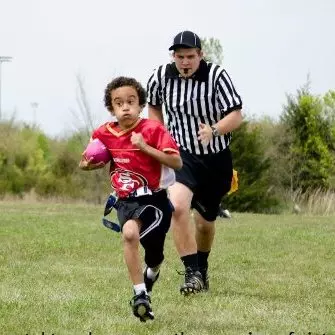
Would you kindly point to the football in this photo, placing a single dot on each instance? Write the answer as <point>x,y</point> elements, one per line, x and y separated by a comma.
<point>98,151</point>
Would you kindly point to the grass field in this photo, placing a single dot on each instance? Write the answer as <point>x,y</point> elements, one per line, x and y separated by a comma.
<point>62,272</point>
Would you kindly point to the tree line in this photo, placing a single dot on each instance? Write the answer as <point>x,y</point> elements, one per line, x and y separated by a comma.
<point>279,162</point>
<point>275,160</point>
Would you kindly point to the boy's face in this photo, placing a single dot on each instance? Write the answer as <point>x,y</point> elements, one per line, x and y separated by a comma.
<point>187,61</point>
<point>126,106</point>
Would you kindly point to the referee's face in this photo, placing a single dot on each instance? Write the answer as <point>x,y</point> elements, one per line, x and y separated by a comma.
<point>187,61</point>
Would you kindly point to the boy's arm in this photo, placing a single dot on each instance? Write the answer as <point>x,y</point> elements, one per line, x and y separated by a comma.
<point>87,165</point>
<point>171,160</point>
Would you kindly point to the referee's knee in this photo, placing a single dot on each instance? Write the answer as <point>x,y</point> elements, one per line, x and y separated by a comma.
<point>204,227</point>
<point>180,209</point>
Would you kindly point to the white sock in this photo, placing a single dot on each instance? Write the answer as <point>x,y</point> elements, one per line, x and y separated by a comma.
<point>138,288</point>
<point>151,273</point>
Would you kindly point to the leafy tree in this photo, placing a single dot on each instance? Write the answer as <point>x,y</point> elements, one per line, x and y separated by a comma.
<point>255,193</point>
<point>212,50</point>
<point>328,129</point>
<point>308,124</point>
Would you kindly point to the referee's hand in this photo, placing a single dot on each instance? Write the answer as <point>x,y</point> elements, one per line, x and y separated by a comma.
<point>205,134</point>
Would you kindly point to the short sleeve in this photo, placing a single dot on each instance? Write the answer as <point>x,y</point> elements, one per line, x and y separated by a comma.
<point>163,140</point>
<point>227,96</point>
<point>154,88</point>
<point>97,133</point>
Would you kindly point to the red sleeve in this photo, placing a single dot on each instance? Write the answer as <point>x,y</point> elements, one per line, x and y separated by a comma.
<point>95,134</point>
<point>163,141</point>
<point>99,133</point>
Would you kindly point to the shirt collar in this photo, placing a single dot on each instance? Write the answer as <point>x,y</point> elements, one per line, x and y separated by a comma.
<point>201,74</point>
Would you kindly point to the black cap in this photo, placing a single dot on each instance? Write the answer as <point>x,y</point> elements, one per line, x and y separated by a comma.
<point>186,39</point>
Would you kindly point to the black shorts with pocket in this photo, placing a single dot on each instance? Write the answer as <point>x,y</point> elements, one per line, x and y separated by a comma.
<point>155,212</point>
<point>209,178</point>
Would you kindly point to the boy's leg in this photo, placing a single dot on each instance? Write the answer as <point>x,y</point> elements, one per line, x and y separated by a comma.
<point>153,243</point>
<point>141,301</point>
<point>151,275</point>
<point>131,241</point>
<point>153,246</point>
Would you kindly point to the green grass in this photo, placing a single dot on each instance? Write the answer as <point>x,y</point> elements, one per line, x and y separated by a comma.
<point>62,272</point>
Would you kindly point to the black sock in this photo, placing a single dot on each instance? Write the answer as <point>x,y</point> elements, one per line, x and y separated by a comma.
<point>190,261</point>
<point>203,259</point>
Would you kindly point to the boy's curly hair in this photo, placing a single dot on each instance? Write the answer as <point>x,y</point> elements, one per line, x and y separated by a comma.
<point>120,82</point>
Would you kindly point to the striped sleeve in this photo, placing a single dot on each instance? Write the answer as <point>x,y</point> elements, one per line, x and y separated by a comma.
<point>154,88</point>
<point>228,97</point>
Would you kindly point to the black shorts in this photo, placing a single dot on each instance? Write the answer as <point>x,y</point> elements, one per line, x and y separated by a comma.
<point>209,177</point>
<point>155,212</point>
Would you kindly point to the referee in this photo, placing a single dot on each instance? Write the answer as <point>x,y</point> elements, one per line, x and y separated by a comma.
<point>202,108</point>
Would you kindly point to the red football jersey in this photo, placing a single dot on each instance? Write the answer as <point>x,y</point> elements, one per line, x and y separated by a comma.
<point>132,168</point>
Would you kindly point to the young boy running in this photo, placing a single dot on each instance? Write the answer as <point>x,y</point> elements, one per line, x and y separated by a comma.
<point>144,156</point>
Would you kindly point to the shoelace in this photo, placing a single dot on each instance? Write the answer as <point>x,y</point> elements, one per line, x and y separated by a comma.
<point>192,278</point>
<point>188,273</point>
<point>141,295</point>
<point>149,315</point>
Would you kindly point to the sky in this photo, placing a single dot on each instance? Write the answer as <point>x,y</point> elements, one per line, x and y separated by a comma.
<point>269,49</point>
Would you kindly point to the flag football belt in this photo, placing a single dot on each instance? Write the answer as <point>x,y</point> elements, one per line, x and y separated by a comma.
<point>110,204</point>
<point>143,190</point>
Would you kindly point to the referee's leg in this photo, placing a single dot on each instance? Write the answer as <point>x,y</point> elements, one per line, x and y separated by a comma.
<point>205,231</point>
<point>204,234</point>
<point>207,203</point>
<point>184,237</point>
<point>182,230</point>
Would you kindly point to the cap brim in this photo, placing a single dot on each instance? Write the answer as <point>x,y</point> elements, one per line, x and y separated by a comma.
<point>178,46</point>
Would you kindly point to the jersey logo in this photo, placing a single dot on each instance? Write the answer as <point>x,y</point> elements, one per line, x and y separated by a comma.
<point>127,181</point>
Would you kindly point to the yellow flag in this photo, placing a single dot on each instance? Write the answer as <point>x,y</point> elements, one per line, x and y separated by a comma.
<point>234,183</point>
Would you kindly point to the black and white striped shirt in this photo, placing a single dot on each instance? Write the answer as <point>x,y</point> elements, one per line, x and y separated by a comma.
<point>206,97</point>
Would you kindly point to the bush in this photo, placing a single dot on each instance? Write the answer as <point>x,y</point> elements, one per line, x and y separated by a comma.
<point>255,193</point>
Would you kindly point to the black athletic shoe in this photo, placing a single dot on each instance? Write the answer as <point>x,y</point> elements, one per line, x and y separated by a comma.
<point>149,283</point>
<point>140,304</point>
<point>204,275</point>
<point>193,282</point>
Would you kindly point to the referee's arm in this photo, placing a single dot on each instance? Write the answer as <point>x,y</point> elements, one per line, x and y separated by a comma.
<point>230,122</point>
<point>231,104</point>
<point>156,113</point>
<point>155,110</point>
